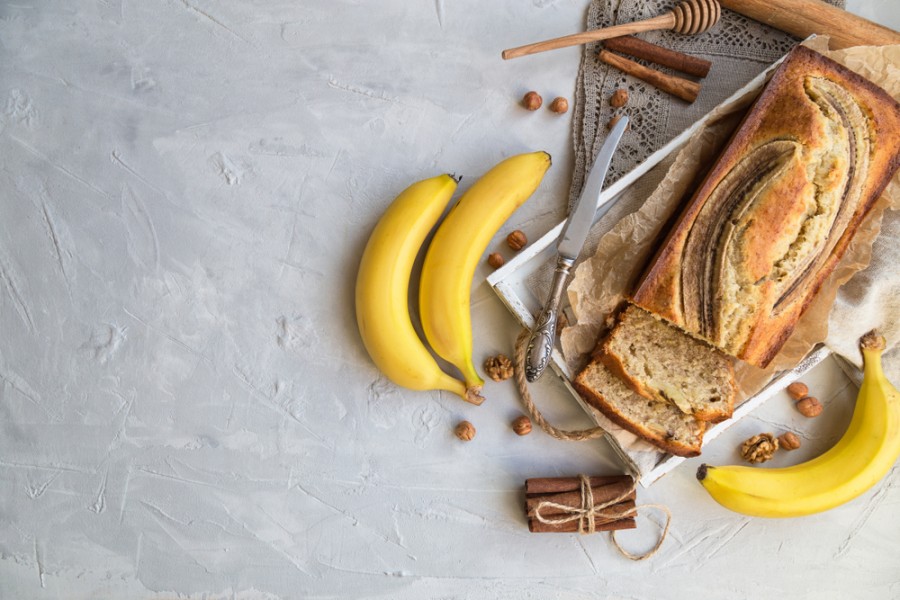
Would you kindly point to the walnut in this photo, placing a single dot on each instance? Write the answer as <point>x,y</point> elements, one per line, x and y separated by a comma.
<point>619,98</point>
<point>532,101</point>
<point>499,368</point>
<point>495,259</point>
<point>517,240</point>
<point>797,390</point>
<point>809,407</point>
<point>759,448</point>
<point>522,425</point>
<point>788,441</point>
<point>465,431</point>
<point>559,105</point>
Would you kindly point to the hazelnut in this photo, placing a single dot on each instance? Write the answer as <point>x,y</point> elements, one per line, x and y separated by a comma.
<point>619,98</point>
<point>614,120</point>
<point>465,431</point>
<point>532,101</point>
<point>798,390</point>
<point>809,407</point>
<point>522,425</point>
<point>517,240</point>
<point>788,441</point>
<point>495,259</point>
<point>499,368</point>
<point>559,105</point>
<point>759,448</point>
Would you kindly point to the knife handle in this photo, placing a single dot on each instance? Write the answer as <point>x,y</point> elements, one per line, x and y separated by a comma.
<point>540,345</point>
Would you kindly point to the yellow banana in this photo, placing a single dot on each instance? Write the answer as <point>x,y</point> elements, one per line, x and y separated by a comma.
<point>865,453</point>
<point>457,247</point>
<point>382,289</point>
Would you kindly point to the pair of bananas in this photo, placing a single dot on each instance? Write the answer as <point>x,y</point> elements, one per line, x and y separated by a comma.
<point>864,454</point>
<point>382,284</point>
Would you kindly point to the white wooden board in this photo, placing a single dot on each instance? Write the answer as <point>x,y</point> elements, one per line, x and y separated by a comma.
<point>511,284</point>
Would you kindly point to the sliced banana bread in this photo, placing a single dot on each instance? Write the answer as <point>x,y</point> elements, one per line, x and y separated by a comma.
<point>660,423</point>
<point>661,362</point>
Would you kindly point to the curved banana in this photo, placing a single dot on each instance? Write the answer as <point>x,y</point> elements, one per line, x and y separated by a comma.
<point>457,247</point>
<point>865,453</point>
<point>382,289</point>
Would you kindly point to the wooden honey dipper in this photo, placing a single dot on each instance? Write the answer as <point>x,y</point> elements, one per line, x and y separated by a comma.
<point>688,17</point>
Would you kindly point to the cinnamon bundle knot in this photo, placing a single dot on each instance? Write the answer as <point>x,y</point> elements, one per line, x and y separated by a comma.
<point>587,505</point>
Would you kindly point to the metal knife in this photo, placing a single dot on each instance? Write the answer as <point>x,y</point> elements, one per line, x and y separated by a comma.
<point>571,240</point>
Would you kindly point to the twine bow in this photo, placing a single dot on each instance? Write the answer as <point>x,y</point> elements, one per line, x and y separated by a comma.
<point>588,513</point>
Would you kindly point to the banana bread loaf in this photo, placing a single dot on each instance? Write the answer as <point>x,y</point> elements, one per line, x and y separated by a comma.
<point>778,209</point>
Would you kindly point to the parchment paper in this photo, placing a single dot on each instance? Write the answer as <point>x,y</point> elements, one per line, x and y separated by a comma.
<point>601,282</point>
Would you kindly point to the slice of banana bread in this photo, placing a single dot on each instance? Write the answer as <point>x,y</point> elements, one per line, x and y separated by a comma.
<point>662,362</point>
<point>660,423</point>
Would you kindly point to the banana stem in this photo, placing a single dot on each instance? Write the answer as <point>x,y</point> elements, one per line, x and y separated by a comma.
<point>474,383</point>
<point>701,471</point>
<point>473,395</point>
<point>872,341</point>
<point>469,393</point>
<point>872,346</point>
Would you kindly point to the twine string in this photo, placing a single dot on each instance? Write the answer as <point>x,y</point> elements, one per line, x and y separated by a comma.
<point>536,416</point>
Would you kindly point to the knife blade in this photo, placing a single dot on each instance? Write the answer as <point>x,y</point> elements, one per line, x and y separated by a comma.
<point>571,240</point>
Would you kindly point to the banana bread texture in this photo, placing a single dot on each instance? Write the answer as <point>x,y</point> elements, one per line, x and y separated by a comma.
<point>661,362</point>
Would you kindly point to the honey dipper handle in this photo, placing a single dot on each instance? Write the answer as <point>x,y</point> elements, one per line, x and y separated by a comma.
<point>665,21</point>
<point>805,17</point>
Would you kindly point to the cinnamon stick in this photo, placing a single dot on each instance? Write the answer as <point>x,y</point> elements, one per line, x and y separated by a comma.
<point>555,485</point>
<point>536,526</point>
<point>680,88</point>
<point>666,57</point>
<point>602,494</point>
<point>618,509</point>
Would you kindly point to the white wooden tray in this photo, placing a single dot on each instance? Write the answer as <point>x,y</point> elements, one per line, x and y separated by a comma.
<point>510,282</point>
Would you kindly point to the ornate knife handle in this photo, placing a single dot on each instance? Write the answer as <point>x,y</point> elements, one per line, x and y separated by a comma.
<point>544,333</point>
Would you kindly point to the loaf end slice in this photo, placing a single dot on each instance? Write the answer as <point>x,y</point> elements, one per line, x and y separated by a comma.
<point>660,423</point>
<point>662,362</point>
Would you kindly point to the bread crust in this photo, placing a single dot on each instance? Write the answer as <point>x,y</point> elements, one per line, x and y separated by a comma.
<point>596,399</point>
<point>611,361</point>
<point>785,113</point>
<point>605,354</point>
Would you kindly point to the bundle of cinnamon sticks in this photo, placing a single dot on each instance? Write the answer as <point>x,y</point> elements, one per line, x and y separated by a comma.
<point>680,87</point>
<point>549,496</point>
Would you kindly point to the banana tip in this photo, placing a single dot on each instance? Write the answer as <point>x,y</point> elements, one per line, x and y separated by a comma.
<point>473,395</point>
<point>873,341</point>
<point>701,471</point>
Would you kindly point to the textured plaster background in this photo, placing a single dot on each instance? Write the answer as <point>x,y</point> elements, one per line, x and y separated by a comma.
<point>186,410</point>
